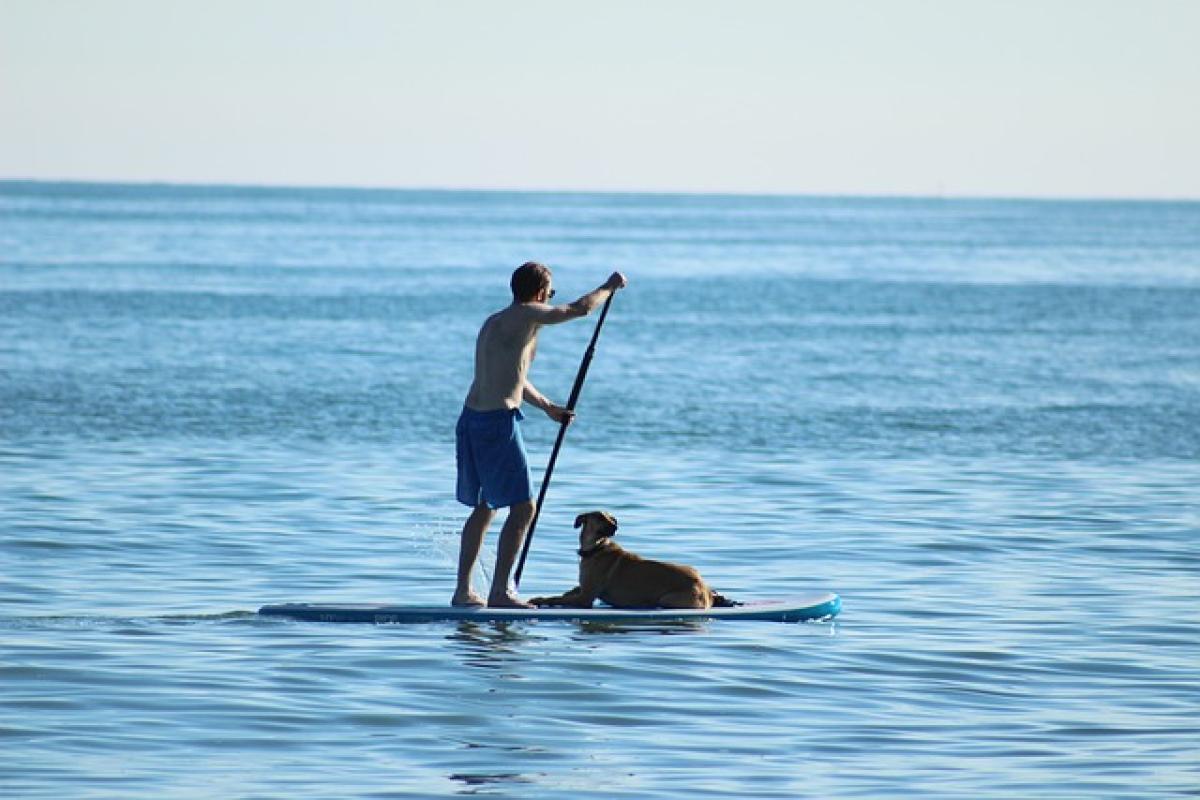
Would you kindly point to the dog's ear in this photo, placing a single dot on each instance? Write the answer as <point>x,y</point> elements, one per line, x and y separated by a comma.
<point>579,520</point>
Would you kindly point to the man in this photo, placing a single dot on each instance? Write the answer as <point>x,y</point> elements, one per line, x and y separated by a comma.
<point>493,471</point>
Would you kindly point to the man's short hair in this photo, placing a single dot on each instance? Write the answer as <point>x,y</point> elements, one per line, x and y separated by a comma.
<point>529,279</point>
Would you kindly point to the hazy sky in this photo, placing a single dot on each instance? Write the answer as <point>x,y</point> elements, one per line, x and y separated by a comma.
<point>974,97</point>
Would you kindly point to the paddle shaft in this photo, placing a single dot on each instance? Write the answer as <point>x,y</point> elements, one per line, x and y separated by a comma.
<point>562,432</point>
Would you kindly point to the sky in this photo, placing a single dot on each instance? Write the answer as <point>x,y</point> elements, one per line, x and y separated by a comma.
<point>1028,98</point>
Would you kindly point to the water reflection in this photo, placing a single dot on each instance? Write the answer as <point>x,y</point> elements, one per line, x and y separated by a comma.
<point>491,645</point>
<point>499,644</point>
<point>660,627</point>
<point>486,783</point>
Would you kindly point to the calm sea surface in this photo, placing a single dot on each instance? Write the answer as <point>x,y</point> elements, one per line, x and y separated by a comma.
<point>978,421</point>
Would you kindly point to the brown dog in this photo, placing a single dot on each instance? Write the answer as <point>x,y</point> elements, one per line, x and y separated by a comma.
<point>625,580</point>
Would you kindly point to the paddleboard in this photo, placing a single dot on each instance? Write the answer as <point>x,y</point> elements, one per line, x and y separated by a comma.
<point>816,606</point>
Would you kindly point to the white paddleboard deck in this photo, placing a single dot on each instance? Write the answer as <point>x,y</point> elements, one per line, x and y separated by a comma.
<point>811,607</point>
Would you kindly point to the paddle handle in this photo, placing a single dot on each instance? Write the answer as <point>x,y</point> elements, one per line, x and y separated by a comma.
<point>562,432</point>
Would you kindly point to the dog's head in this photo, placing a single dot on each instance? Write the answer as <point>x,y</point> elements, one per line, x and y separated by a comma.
<point>596,525</point>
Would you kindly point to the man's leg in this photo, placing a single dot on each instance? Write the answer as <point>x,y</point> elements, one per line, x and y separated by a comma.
<point>468,553</point>
<point>511,538</point>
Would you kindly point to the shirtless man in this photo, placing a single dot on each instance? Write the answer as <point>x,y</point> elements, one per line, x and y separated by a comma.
<point>493,471</point>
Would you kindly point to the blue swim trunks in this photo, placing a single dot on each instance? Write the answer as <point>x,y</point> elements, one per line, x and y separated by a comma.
<point>492,467</point>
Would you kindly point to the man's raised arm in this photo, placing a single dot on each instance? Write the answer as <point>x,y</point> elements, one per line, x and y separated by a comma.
<point>553,315</point>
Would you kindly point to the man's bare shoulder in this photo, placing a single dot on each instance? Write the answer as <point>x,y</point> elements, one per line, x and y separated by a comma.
<point>521,321</point>
<point>543,314</point>
<point>514,316</point>
<point>528,314</point>
<point>512,324</point>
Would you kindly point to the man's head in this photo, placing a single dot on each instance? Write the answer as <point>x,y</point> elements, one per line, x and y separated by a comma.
<point>528,280</point>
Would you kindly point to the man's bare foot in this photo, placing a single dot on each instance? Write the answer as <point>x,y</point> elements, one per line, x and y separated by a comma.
<point>507,600</point>
<point>467,600</point>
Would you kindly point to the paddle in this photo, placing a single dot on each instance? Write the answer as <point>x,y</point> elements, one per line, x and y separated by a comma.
<point>562,432</point>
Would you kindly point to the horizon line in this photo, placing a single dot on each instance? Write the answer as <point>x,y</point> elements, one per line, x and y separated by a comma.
<point>847,195</point>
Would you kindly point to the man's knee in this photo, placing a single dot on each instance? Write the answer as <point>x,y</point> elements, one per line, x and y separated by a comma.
<point>523,510</point>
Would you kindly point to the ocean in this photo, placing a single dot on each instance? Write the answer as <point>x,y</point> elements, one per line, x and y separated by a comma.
<point>978,421</point>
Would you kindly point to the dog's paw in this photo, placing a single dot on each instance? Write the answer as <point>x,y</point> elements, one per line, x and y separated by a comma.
<point>539,601</point>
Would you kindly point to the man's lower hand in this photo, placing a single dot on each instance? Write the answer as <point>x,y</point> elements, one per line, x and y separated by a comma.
<point>563,416</point>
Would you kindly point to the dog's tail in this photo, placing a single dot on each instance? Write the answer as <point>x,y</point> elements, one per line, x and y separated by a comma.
<point>721,601</point>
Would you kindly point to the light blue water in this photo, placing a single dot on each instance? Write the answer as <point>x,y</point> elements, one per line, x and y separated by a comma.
<point>979,421</point>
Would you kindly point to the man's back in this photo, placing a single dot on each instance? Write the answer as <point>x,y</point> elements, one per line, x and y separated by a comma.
<point>504,350</point>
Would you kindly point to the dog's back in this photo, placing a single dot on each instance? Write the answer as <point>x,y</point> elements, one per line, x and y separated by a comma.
<point>627,580</point>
